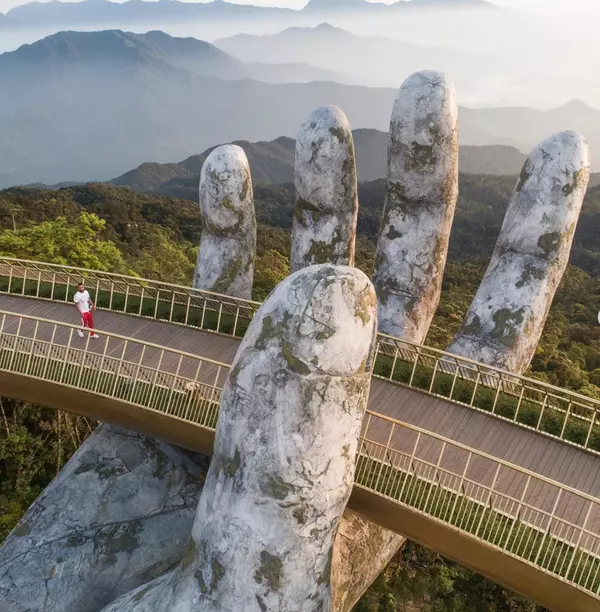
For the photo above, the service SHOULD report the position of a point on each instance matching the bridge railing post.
(517, 517)
(83, 358)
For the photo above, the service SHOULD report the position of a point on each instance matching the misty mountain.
(114, 46)
(329, 5)
(375, 61)
(80, 106)
(273, 162)
(162, 12)
(92, 106)
(368, 58)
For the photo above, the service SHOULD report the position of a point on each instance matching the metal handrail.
(557, 413)
(166, 380)
(439, 486)
(544, 523)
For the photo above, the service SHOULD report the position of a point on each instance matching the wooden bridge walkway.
(551, 458)
(542, 455)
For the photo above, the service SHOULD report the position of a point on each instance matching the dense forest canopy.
(112, 228)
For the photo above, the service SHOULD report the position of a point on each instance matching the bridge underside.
(476, 554)
(556, 460)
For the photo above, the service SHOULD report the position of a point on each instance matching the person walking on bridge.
(85, 305)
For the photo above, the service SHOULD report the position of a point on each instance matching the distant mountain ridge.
(89, 106)
(169, 11)
(376, 61)
(197, 56)
(273, 162)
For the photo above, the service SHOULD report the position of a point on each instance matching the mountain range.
(373, 60)
(273, 162)
(105, 12)
(89, 106)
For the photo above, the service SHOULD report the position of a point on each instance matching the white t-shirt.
(82, 299)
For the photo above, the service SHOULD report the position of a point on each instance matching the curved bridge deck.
(518, 505)
(551, 458)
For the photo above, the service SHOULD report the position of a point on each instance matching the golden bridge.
(499, 472)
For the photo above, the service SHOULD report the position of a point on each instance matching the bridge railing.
(549, 410)
(544, 523)
(152, 377)
(129, 294)
(533, 404)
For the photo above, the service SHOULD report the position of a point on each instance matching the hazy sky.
(545, 5)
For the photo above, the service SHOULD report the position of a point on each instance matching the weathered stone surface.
(117, 515)
(362, 550)
(422, 189)
(228, 243)
(504, 323)
(283, 465)
(324, 229)
(421, 198)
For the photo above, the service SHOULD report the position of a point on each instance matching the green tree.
(164, 259)
(79, 243)
(270, 269)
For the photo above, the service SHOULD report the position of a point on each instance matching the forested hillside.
(120, 230)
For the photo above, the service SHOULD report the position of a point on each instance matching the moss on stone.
(269, 571)
(190, 553)
(228, 275)
(141, 594)
(569, 188)
(420, 157)
(506, 329)
(299, 515)
(273, 486)
(295, 364)
(303, 208)
(217, 572)
(117, 539)
(76, 540)
(365, 306)
(320, 252)
(392, 233)
(201, 582)
(160, 468)
(549, 242)
(474, 327)
(530, 272)
(324, 335)
(339, 133)
(230, 466)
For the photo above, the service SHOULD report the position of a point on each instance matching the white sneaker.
(95, 336)
(80, 333)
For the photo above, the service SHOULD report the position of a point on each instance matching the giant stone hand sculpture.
(507, 316)
(228, 243)
(503, 328)
(103, 527)
(326, 210)
(283, 464)
(83, 565)
(422, 188)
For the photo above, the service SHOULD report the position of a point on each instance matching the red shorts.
(87, 320)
